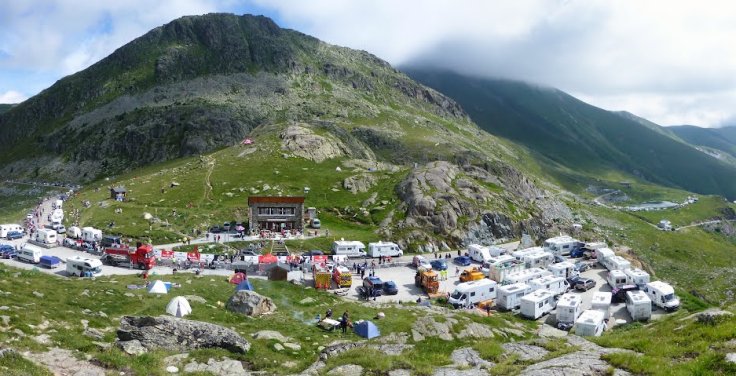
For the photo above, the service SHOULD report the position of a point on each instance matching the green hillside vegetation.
(4, 107)
(563, 131)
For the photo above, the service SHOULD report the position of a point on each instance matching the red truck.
(141, 257)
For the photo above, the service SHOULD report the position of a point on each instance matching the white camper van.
(563, 269)
(595, 245)
(57, 204)
(639, 305)
(555, 285)
(348, 248)
(538, 260)
(384, 249)
(30, 253)
(499, 267)
(561, 245)
(616, 263)
(8, 227)
(601, 301)
(509, 297)
(602, 254)
(569, 307)
(45, 236)
(636, 277)
(662, 295)
(479, 253)
(524, 276)
(469, 294)
(616, 278)
(91, 234)
(79, 266)
(590, 324)
(537, 303)
(74, 232)
(519, 255)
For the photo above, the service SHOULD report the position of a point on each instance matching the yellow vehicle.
(322, 277)
(428, 281)
(342, 276)
(471, 274)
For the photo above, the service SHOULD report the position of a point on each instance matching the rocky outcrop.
(427, 326)
(303, 142)
(713, 316)
(250, 303)
(583, 362)
(175, 334)
(225, 367)
(359, 183)
(525, 351)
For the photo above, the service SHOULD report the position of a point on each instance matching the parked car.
(69, 243)
(390, 288)
(7, 251)
(14, 235)
(581, 266)
(226, 226)
(215, 229)
(619, 293)
(313, 252)
(462, 260)
(572, 281)
(584, 284)
(438, 264)
(420, 262)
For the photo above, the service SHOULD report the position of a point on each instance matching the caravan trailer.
(45, 236)
(479, 253)
(537, 304)
(561, 245)
(636, 277)
(556, 285)
(499, 267)
(639, 305)
(591, 323)
(616, 278)
(563, 269)
(519, 255)
(524, 276)
(603, 254)
(601, 301)
(83, 267)
(348, 248)
(29, 253)
(74, 232)
(662, 295)
(538, 260)
(509, 297)
(569, 307)
(384, 249)
(91, 234)
(469, 294)
(616, 263)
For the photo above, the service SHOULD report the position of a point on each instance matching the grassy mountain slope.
(4, 107)
(565, 131)
(720, 139)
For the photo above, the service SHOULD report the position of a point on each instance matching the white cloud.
(12, 97)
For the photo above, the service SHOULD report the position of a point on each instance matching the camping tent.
(366, 329)
(277, 273)
(245, 285)
(157, 287)
(178, 307)
(237, 278)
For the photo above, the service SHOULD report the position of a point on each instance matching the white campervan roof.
(636, 273)
(93, 263)
(546, 279)
(349, 243)
(466, 286)
(569, 300)
(591, 317)
(606, 252)
(514, 288)
(601, 297)
(526, 251)
(564, 239)
(501, 259)
(638, 296)
(596, 245)
(617, 274)
(561, 265)
(663, 287)
(537, 296)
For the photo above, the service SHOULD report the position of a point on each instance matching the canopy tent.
(157, 287)
(237, 278)
(178, 307)
(244, 285)
(366, 329)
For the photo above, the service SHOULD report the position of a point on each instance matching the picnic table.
(328, 324)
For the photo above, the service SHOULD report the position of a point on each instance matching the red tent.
(267, 259)
(237, 278)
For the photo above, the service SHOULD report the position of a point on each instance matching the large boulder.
(250, 303)
(175, 334)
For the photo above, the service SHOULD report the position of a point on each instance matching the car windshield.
(669, 297)
(456, 295)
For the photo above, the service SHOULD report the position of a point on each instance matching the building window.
(276, 211)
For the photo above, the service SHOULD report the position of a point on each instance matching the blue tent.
(245, 285)
(366, 329)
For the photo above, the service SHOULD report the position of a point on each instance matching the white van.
(601, 301)
(57, 204)
(74, 232)
(616, 278)
(519, 255)
(524, 276)
(537, 304)
(538, 260)
(555, 285)
(30, 253)
(45, 236)
(479, 253)
(561, 245)
(636, 277)
(384, 249)
(590, 324)
(563, 269)
(602, 255)
(569, 307)
(639, 305)
(91, 234)
(509, 297)
(8, 227)
(662, 295)
(348, 248)
(616, 263)
(79, 266)
(471, 293)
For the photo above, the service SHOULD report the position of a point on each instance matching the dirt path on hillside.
(207, 183)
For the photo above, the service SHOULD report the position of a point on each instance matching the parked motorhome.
(569, 307)
(8, 227)
(537, 304)
(30, 253)
(591, 323)
(519, 255)
(538, 260)
(74, 232)
(563, 269)
(616, 263)
(603, 254)
(636, 277)
(57, 204)
(556, 285)
(384, 249)
(83, 267)
(479, 253)
(509, 297)
(524, 276)
(499, 267)
(601, 301)
(662, 295)
(348, 248)
(561, 245)
(595, 245)
(91, 234)
(616, 278)
(45, 236)
(639, 305)
(471, 293)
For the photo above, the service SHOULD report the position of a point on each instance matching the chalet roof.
(275, 200)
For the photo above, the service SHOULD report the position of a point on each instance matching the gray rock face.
(580, 363)
(132, 347)
(712, 316)
(427, 327)
(270, 334)
(476, 330)
(359, 183)
(524, 351)
(250, 303)
(225, 367)
(347, 370)
(302, 142)
(178, 334)
(467, 357)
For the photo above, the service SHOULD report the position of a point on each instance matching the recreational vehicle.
(616, 263)
(499, 267)
(561, 245)
(30, 253)
(524, 276)
(479, 253)
(593, 246)
(469, 294)
(636, 277)
(45, 236)
(639, 305)
(91, 234)
(83, 267)
(563, 269)
(616, 278)
(538, 260)
(6, 228)
(602, 254)
(662, 295)
(601, 301)
(569, 307)
(74, 232)
(555, 285)
(591, 323)
(57, 204)
(348, 248)
(519, 255)
(509, 297)
(384, 249)
(537, 303)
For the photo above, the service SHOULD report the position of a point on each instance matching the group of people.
(361, 268)
(344, 320)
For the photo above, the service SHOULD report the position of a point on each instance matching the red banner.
(267, 259)
(167, 254)
(319, 259)
(193, 256)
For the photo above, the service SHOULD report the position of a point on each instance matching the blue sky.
(672, 62)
